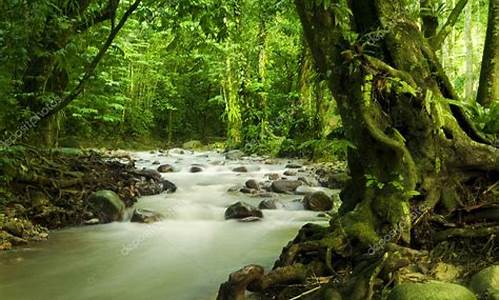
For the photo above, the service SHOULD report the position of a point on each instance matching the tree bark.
(410, 150)
(488, 81)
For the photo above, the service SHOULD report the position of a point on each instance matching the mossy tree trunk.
(414, 151)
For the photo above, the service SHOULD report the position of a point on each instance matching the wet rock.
(335, 180)
(217, 163)
(107, 205)
(304, 189)
(252, 184)
(148, 174)
(151, 152)
(240, 169)
(194, 144)
(270, 204)
(234, 154)
(270, 162)
(273, 176)
(290, 173)
(293, 166)
(247, 190)
(166, 168)
(318, 201)
(93, 221)
(264, 195)
(156, 162)
(168, 186)
(141, 215)
(241, 210)
(485, 283)
(195, 169)
(430, 291)
(285, 186)
(249, 219)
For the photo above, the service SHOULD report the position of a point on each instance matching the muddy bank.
(49, 189)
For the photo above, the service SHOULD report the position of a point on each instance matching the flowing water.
(185, 256)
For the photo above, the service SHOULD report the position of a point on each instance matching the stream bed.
(184, 257)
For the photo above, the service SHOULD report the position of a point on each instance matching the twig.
(305, 293)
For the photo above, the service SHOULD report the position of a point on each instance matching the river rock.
(252, 184)
(247, 190)
(430, 291)
(107, 205)
(290, 173)
(240, 169)
(156, 162)
(485, 283)
(166, 168)
(148, 174)
(317, 201)
(241, 210)
(168, 186)
(273, 176)
(234, 154)
(293, 166)
(270, 204)
(335, 180)
(304, 189)
(285, 186)
(194, 144)
(195, 169)
(141, 215)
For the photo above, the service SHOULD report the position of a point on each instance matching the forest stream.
(185, 256)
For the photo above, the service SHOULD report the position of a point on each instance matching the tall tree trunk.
(469, 54)
(411, 152)
(488, 81)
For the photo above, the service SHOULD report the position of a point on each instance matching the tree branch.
(89, 70)
(439, 38)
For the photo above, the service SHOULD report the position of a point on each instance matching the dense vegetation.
(405, 91)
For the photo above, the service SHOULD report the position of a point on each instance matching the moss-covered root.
(234, 288)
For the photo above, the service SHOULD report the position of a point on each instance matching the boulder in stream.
(317, 201)
(252, 184)
(240, 169)
(168, 186)
(107, 206)
(166, 168)
(285, 186)
(141, 215)
(195, 169)
(270, 204)
(241, 210)
(293, 166)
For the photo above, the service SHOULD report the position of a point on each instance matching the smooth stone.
(166, 168)
(252, 184)
(168, 186)
(141, 215)
(156, 162)
(293, 166)
(304, 189)
(241, 210)
(485, 283)
(241, 169)
(430, 291)
(195, 169)
(290, 173)
(318, 201)
(285, 186)
(247, 190)
(107, 205)
(271, 204)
